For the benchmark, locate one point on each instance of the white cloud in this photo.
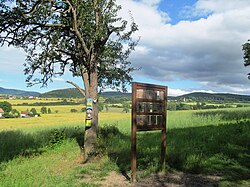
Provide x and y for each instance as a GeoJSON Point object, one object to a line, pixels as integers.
{"type": "Point", "coordinates": [176, 92]}
{"type": "Point", "coordinates": [207, 50]}
{"type": "Point", "coordinates": [11, 59]}
{"type": "Point", "coordinates": [220, 6]}
{"type": "Point", "coordinates": [203, 50]}
{"type": "Point", "coordinates": [206, 91]}
{"type": "Point", "coordinates": [151, 2]}
{"type": "Point", "coordinates": [59, 79]}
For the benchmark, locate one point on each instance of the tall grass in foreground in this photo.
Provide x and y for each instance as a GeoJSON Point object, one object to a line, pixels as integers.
{"type": "Point", "coordinates": [204, 144]}
{"type": "Point", "coordinates": [19, 143]}
{"type": "Point", "coordinates": [217, 150]}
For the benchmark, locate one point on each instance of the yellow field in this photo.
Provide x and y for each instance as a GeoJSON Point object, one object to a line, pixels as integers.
{"type": "Point", "coordinates": [56, 120]}
{"type": "Point", "coordinates": [41, 100]}
{"type": "Point", "coordinates": [59, 108]}
{"type": "Point", "coordinates": [29, 101]}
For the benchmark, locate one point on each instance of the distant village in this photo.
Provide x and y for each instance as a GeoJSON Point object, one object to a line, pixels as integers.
{"type": "Point", "coordinates": [13, 113]}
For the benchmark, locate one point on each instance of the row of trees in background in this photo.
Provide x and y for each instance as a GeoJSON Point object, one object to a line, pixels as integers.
{"type": "Point", "coordinates": [172, 106]}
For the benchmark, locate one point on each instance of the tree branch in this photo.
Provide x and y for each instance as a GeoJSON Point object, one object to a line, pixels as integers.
{"type": "Point", "coordinates": [75, 28]}
{"type": "Point", "coordinates": [78, 87]}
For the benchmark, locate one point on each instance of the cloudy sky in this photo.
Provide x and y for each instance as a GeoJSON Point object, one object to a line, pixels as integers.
{"type": "Point", "coordinates": [188, 45]}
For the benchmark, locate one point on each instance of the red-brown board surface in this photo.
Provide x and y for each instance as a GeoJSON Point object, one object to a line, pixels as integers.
{"type": "Point", "coordinates": [148, 106]}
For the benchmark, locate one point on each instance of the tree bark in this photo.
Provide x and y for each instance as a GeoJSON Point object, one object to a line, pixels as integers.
{"type": "Point", "coordinates": [91, 90]}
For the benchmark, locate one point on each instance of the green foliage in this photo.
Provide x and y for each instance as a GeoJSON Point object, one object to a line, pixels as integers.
{"type": "Point", "coordinates": [205, 97]}
{"type": "Point", "coordinates": [126, 107]}
{"type": "Point", "coordinates": [202, 144]}
{"type": "Point", "coordinates": [106, 108]}
{"type": "Point", "coordinates": [14, 143]}
{"type": "Point", "coordinates": [49, 111]}
{"type": "Point", "coordinates": [15, 113]}
{"type": "Point", "coordinates": [64, 102]}
{"type": "Point", "coordinates": [75, 34]}
{"type": "Point", "coordinates": [33, 111]}
{"type": "Point", "coordinates": [8, 115]}
{"type": "Point", "coordinates": [63, 93]}
{"type": "Point", "coordinates": [116, 99]}
{"type": "Point", "coordinates": [57, 136]}
{"type": "Point", "coordinates": [6, 106]}
{"type": "Point", "coordinates": [73, 110]}
{"type": "Point", "coordinates": [246, 50]}
{"type": "Point", "coordinates": [226, 114]}
{"type": "Point", "coordinates": [44, 110]}
{"type": "Point", "coordinates": [100, 106]}
{"type": "Point", "coordinates": [220, 149]}
{"type": "Point", "coordinates": [171, 106]}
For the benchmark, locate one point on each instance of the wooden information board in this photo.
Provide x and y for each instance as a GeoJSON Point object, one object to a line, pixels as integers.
{"type": "Point", "coordinates": [148, 113]}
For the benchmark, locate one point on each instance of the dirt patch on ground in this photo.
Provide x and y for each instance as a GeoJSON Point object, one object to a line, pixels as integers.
{"type": "Point", "coordinates": [175, 179]}
{"type": "Point", "coordinates": [115, 179]}
{"type": "Point", "coordinates": [178, 179]}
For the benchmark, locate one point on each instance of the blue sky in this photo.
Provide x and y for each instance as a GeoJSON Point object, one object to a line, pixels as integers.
{"type": "Point", "coordinates": [188, 45]}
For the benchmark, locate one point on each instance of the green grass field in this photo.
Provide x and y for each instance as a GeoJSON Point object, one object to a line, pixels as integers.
{"type": "Point", "coordinates": [44, 151]}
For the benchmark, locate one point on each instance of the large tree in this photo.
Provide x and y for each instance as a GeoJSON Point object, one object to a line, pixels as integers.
{"type": "Point", "coordinates": [86, 37]}
{"type": "Point", "coordinates": [246, 50]}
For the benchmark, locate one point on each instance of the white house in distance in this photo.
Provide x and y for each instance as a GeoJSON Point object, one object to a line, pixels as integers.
{"type": "Point", "coordinates": [1, 112]}
{"type": "Point", "coordinates": [25, 114]}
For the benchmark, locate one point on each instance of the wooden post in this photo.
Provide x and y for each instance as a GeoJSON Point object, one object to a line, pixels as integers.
{"type": "Point", "coordinates": [163, 133]}
{"type": "Point", "coordinates": [133, 131]}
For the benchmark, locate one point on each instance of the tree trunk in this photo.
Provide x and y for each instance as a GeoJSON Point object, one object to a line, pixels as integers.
{"type": "Point", "coordinates": [91, 133]}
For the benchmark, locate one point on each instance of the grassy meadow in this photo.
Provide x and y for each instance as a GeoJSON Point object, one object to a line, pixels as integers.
{"type": "Point", "coordinates": [44, 151]}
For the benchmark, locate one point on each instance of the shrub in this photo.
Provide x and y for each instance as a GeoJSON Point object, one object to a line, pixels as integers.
{"type": "Point", "coordinates": [33, 111]}
{"type": "Point", "coordinates": [44, 110]}
{"type": "Point", "coordinates": [15, 113]}
{"type": "Point", "coordinates": [6, 106]}
{"type": "Point", "coordinates": [100, 107]}
{"type": "Point", "coordinates": [125, 107]}
{"type": "Point", "coordinates": [73, 110]}
{"type": "Point", "coordinates": [8, 115]}
{"type": "Point", "coordinates": [49, 111]}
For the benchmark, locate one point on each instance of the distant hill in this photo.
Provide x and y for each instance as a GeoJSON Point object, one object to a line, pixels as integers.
{"type": "Point", "coordinates": [74, 93]}
{"type": "Point", "coordinates": [116, 94]}
{"type": "Point", "coordinates": [200, 96]}
{"type": "Point", "coordinates": [5, 91]}
{"type": "Point", "coordinates": [63, 93]}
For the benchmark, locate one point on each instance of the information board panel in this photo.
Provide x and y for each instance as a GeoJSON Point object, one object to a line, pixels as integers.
{"type": "Point", "coordinates": [148, 113]}
{"type": "Point", "coordinates": [148, 106]}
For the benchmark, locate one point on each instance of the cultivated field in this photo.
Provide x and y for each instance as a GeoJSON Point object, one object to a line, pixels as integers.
{"type": "Point", "coordinates": [43, 151]}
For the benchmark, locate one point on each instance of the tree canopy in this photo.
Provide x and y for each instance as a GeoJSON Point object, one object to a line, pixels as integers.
{"type": "Point", "coordinates": [246, 50]}
{"type": "Point", "coordinates": [86, 37]}
{"type": "Point", "coordinates": [79, 36]}
{"type": "Point", "coordinates": [6, 106]}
